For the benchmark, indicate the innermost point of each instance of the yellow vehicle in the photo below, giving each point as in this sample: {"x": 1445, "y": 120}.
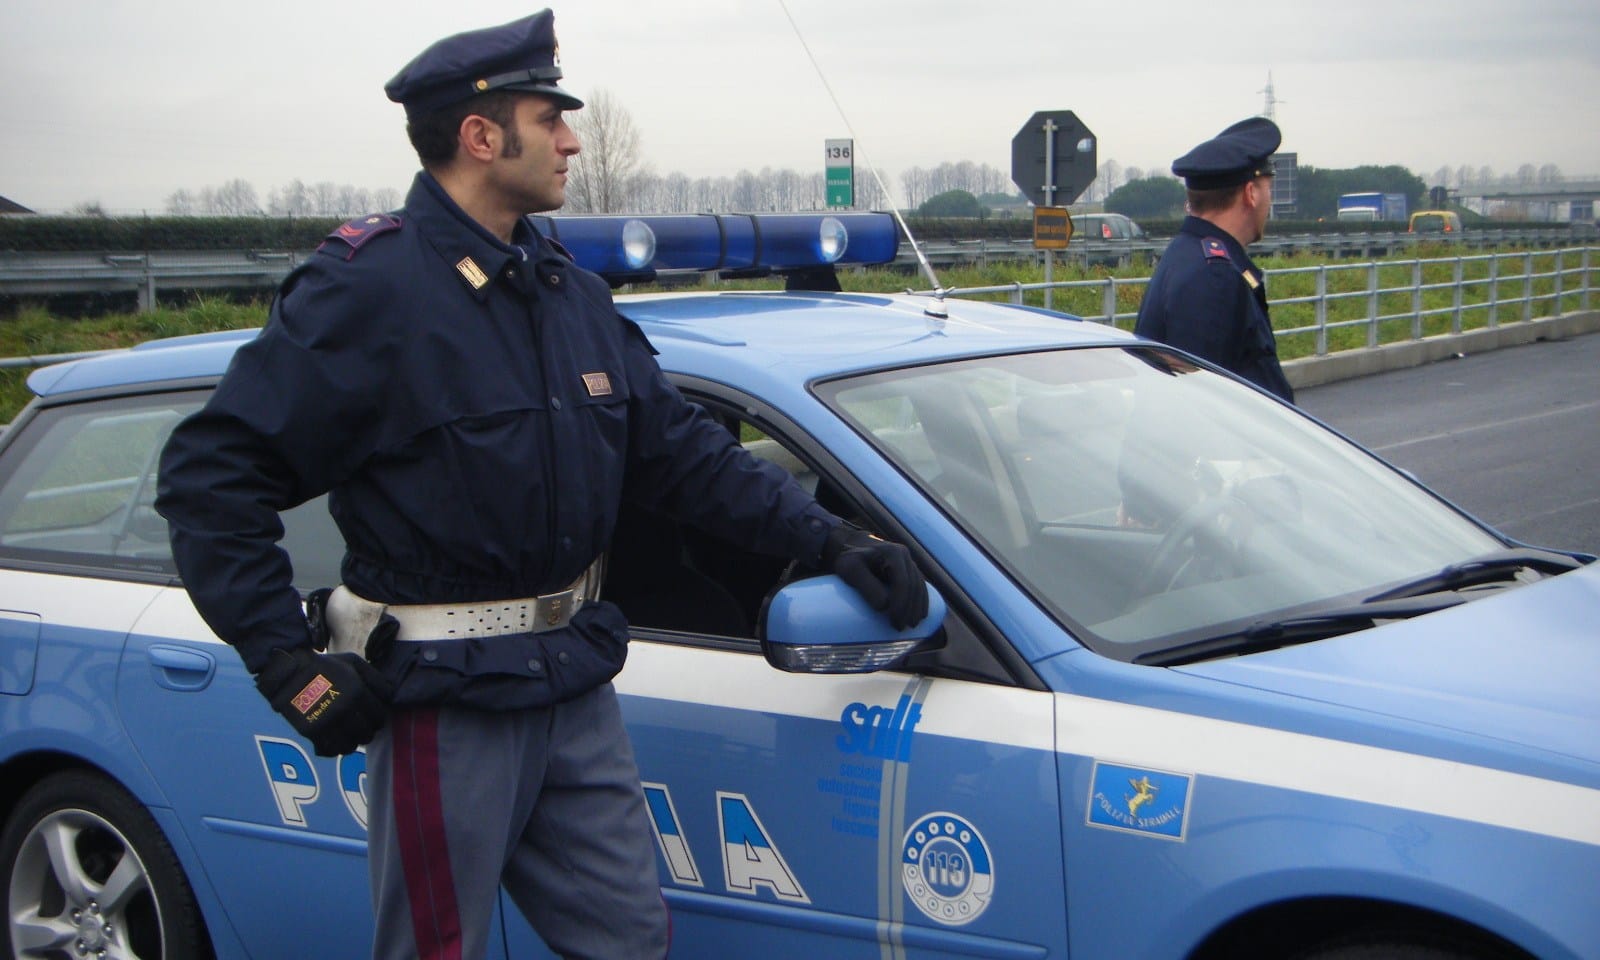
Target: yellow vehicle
{"x": 1435, "y": 221}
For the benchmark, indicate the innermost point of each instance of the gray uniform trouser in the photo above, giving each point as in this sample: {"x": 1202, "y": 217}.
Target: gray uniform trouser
{"x": 545, "y": 802}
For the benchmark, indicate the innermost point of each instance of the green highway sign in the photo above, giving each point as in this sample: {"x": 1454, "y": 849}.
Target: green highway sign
{"x": 839, "y": 169}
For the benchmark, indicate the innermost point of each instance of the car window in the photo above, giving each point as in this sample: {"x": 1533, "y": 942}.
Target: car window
{"x": 1141, "y": 498}
{"x": 668, "y": 576}
{"x": 81, "y": 483}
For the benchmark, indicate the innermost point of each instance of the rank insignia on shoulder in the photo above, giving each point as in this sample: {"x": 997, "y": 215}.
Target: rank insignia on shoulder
{"x": 472, "y": 273}
{"x": 353, "y": 234}
{"x": 1214, "y": 248}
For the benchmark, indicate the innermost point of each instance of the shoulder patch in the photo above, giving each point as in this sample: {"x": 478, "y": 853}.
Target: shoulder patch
{"x": 1214, "y": 249}
{"x": 357, "y": 232}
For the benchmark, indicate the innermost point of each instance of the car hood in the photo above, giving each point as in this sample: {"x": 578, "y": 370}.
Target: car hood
{"x": 1519, "y": 667}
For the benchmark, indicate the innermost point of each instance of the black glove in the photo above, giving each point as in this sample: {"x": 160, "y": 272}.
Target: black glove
{"x": 882, "y": 572}
{"x": 338, "y": 701}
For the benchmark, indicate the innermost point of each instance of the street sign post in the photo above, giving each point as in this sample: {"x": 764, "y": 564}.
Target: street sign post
{"x": 1053, "y": 162}
{"x": 839, "y": 172}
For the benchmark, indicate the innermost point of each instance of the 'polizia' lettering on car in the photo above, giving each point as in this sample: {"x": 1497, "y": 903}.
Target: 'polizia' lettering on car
{"x": 1207, "y": 679}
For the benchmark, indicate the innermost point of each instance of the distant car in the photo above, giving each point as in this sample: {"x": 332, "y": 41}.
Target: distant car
{"x": 1098, "y": 234}
{"x": 1435, "y": 221}
{"x": 1105, "y": 226}
{"x": 1207, "y": 679}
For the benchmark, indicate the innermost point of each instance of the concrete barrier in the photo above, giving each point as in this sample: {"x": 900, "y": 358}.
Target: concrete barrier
{"x": 1365, "y": 361}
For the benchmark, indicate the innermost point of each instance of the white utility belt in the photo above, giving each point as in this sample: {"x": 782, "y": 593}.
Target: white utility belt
{"x": 352, "y": 618}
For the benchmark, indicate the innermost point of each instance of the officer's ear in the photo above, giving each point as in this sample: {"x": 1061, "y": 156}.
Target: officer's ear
{"x": 479, "y": 137}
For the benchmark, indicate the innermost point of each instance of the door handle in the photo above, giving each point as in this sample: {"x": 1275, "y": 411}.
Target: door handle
{"x": 184, "y": 669}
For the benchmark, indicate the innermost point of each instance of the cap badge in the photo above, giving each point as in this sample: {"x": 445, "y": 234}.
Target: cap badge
{"x": 472, "y": 273}
{"x": 598, "y": 384}
{"x": 481, "y": 85}
{"x": 555, "y": 55}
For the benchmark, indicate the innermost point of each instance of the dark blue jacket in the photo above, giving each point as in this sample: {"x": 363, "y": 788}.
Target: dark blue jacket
{"x": 1207, "y": 297}
{"x": 478, "y": 411}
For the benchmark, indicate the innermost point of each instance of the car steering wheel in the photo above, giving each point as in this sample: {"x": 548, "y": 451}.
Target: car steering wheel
{"x": 1198, "y": 531}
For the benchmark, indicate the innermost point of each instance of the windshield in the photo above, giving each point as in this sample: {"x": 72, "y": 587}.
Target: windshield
{"x": 1144, "y": 501}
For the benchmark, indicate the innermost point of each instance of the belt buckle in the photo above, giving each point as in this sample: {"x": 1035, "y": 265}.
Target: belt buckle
{"x": 553, "y": 610}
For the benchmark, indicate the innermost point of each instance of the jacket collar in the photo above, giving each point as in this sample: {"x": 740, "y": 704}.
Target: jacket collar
{"x": 477, "y": 256}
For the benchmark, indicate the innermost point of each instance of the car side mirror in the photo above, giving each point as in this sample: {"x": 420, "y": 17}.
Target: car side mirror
{"x": 821, "y": 625}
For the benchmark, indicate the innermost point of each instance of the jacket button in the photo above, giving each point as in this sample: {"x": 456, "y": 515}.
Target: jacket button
{"x": 564, "y": 657}
{"x": 555, "y": 403}
{"x": 554, "y": 279}
{"x": 535, "y": 666}
{"x": 430, "y": 655}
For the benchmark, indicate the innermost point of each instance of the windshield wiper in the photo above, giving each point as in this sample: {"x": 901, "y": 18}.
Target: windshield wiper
{"x": 1499, "y": 565}
{"x": 1271, "y": 634}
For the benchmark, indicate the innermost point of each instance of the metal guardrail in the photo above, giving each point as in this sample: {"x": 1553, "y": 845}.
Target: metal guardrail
{"x": 35, "y": 274}
{"x": 1336, "y": 245}
{"x": 1510, "y": 282}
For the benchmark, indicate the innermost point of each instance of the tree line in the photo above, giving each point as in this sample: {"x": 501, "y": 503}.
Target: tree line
{"x": 612, "y": 175}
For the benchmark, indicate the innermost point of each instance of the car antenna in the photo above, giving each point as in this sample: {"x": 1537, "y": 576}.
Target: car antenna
{"x": 936, "y": 309}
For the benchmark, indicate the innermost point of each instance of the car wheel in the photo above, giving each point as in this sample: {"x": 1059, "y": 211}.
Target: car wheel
{"x": 86, "y": 872}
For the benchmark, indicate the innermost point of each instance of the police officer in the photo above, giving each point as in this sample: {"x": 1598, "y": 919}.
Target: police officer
{"x": 477, "y": 410}
{"x": 1207, "y": 296}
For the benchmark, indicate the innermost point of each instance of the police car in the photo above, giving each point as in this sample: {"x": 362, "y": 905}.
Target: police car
{"x": 1207, "y": 680}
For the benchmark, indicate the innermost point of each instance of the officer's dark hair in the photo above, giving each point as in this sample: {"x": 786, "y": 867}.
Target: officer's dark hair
{"x": 1211, "y": 201}
{"x": 434, "y": 134}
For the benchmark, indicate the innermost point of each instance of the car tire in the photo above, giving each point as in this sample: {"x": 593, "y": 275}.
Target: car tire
{"x": 69, "y": 835}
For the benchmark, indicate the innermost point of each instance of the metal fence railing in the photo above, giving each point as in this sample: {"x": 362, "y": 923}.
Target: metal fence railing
{"x": 1439, "y": 295}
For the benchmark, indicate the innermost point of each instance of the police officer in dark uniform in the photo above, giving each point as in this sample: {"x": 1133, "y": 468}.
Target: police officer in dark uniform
{"x": 477, "y": 410}
{"x": 1207, "y": 297}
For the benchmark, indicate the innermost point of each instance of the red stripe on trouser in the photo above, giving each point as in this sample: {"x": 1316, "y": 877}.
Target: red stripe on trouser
{"x": 419, "y": 828}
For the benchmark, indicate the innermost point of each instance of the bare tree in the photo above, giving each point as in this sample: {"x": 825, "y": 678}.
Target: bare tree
{"x": 1549, "y": 173}
{"x": 601, "y": 178}
{"x": 181, "y": 203}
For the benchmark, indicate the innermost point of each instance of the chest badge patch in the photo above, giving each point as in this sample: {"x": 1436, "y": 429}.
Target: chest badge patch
{"x": 472, "y": 273}
{"x": 598, "y": 384}
{"x": 1148, "y": 802}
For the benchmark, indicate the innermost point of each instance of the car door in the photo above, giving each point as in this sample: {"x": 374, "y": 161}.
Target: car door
{"x": 897, "y": 814}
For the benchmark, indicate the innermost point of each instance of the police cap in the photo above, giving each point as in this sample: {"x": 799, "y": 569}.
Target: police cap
{"x": 1237, "y": 155}
{"x": 521, "y": 55}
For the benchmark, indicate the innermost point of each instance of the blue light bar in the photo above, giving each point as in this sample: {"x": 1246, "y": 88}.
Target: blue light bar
{"x": 617, "y": 246}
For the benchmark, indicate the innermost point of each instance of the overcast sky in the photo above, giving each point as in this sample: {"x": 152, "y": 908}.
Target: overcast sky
{"x": 122, "y": 102}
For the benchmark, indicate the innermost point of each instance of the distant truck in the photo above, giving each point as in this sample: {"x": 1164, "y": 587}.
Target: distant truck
{"x": 1372, "y": 206}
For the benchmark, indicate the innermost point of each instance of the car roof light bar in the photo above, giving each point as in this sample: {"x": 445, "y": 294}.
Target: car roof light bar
{"x": 627, "y": 249}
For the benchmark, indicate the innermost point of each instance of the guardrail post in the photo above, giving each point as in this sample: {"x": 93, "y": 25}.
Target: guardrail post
{"x": 1110, "y": 301}
{"x": 1586, "y": 283}
{"x": 1016, "y": 292}
{"x": 1527, "y": 287}
{"x": 1372, "y": 304}
{"x": 1458, "y": 275}
{"x": 147, "y": 291}
{"x": 1494, "y": 290}
{"x": 1322, "y": 310}
{"x": 1416, "y": 299}
{"x": 1557, "y": 272}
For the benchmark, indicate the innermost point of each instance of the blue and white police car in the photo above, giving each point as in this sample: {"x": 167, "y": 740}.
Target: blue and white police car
{"x": 1209, "y": 680}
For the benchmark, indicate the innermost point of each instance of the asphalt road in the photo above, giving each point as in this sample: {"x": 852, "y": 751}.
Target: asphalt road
{"x": 1512, "y": 436}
